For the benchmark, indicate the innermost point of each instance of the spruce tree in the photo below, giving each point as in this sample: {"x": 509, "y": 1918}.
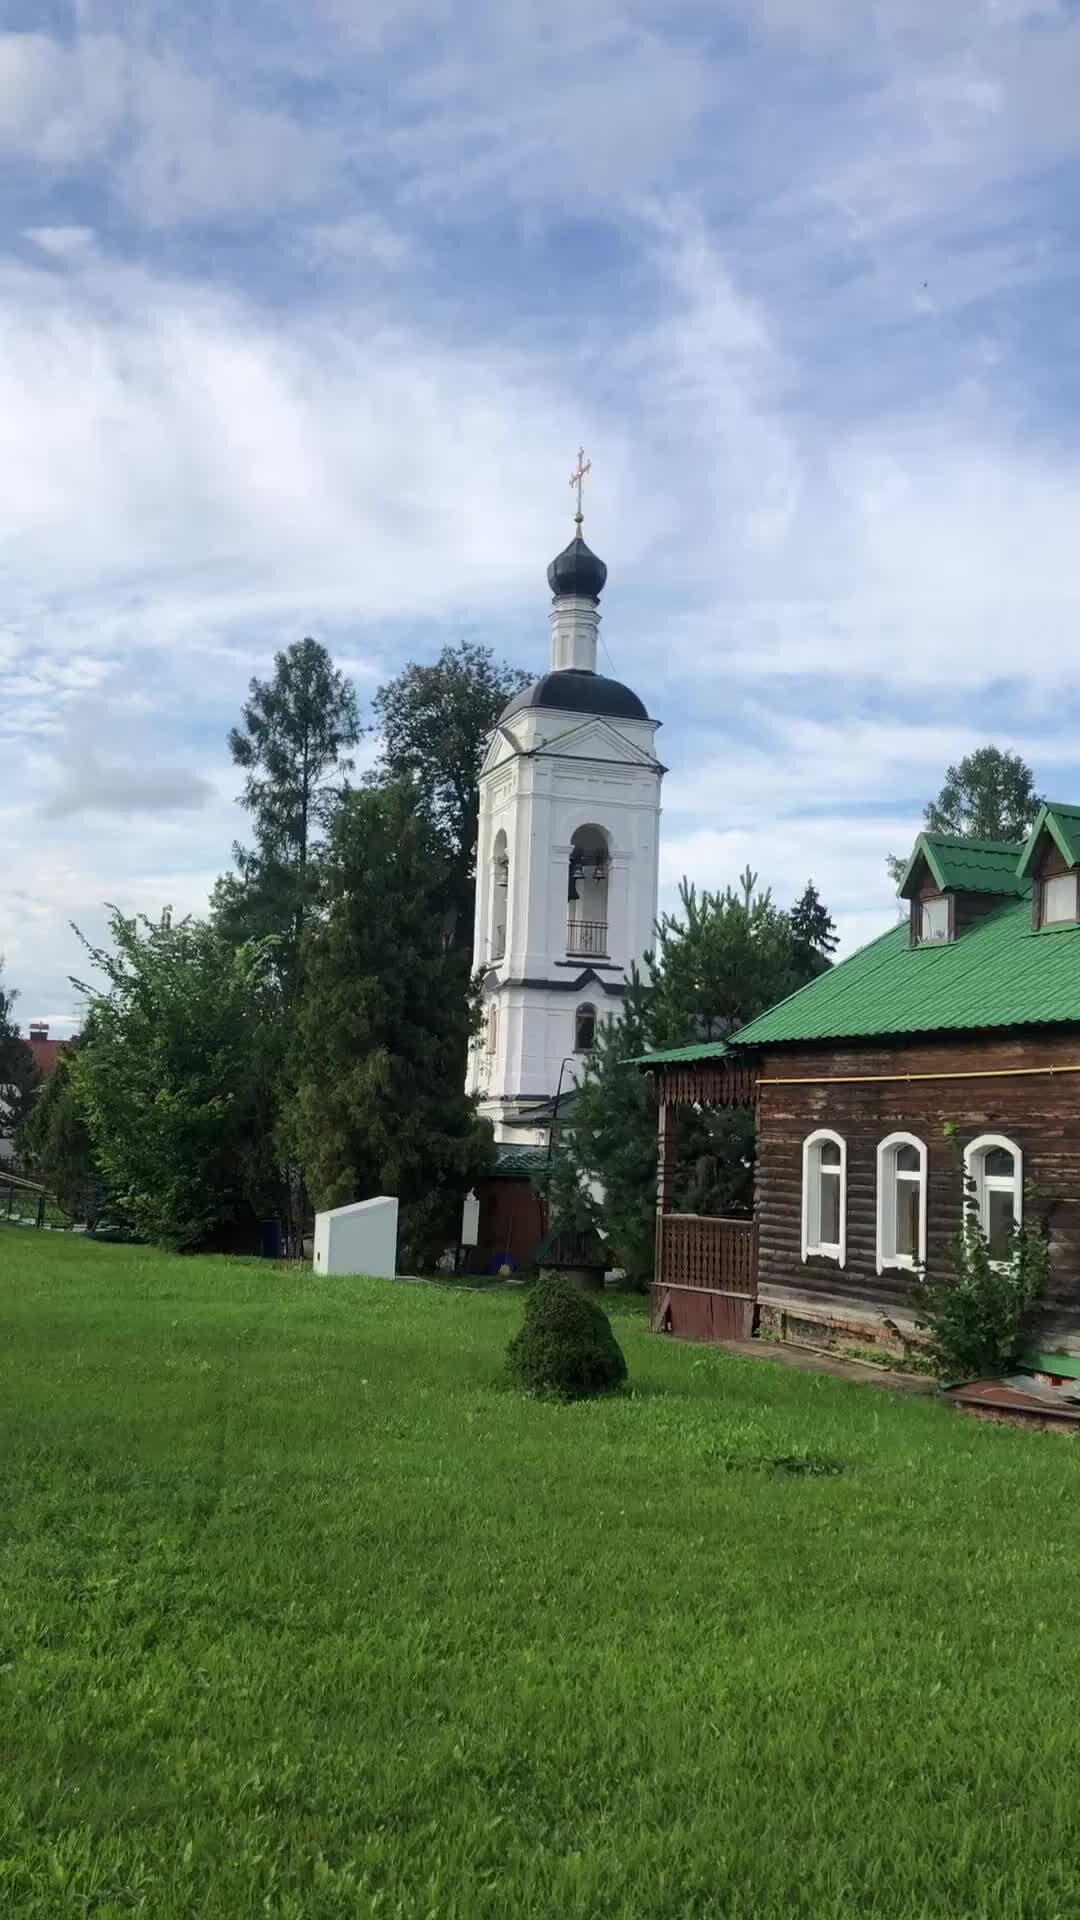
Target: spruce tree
{"x": 814, "y": 929}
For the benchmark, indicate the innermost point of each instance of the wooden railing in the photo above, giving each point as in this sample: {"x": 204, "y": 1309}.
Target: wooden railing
{"x": 695, "y": 1250}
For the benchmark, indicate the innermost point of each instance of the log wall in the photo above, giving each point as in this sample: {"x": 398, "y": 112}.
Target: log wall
{"x": 846, "y": 1090}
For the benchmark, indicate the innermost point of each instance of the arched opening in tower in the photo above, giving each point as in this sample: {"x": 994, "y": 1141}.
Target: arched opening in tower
{"x": 587, "y": 893}
{"x": 499, "y": 895}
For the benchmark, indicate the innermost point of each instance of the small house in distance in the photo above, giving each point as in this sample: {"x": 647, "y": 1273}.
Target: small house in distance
{"x": 967, "y": 1016}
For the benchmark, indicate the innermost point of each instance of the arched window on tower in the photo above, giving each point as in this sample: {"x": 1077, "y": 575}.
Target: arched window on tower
{"x": 587, "y": 893}
{"x": 500, "y": 895}
{"x": 585, "y": 1029}
{"x": 493, "y": 1030}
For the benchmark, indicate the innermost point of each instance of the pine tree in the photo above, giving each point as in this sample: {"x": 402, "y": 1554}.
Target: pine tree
{"x": 293, "y": 744}
{"x": 387, "y": 1011}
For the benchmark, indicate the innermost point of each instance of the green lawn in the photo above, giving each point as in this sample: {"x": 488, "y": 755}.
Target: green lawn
{"x": 304, "y": 1615}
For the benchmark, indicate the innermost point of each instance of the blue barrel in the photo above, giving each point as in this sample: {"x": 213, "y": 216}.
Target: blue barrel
{"x": 271, "y": 1239}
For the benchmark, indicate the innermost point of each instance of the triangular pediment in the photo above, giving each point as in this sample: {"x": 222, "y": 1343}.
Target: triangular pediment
{"x": 502, "y": 746}
{"x": 594, "y": 739}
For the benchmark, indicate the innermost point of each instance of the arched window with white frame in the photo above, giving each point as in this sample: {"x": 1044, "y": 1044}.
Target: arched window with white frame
{"x": 493, "y": 1030}
{"x": 901, "y": 1202}
{"x": 996, "y": 1167}
{"x": 824, "y": 1196}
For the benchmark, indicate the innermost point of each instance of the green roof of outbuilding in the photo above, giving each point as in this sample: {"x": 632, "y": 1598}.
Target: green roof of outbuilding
{"x": 518, "y": 1163}
{"x": 670, "y": 1056}
{"x": 971, "y": 866}
{"x": 999, "y": 973}
{"x": 1062, "y": 823}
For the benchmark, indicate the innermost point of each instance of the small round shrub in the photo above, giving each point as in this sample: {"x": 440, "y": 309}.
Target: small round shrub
{"x": 564, "y": 1348}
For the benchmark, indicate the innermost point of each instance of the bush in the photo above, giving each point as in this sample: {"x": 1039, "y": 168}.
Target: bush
{"x": 565, "y": 1349}
{"x": 975, "y": 1321}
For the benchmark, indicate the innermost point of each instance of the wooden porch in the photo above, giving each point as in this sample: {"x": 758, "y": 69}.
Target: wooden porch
{"x": 705, "y": 1276}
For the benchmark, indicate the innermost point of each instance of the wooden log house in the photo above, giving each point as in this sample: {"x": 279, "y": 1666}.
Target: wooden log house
{"x": 951, "y": 1042}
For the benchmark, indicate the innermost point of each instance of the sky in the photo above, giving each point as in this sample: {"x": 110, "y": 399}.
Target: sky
{"x": 304, "y": 312}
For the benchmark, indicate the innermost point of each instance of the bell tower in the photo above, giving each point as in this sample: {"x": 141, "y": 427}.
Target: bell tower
{"x": 567, "y": 860}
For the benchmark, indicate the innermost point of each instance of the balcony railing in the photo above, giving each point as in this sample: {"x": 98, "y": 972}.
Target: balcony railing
{"x": 586, "y": 937}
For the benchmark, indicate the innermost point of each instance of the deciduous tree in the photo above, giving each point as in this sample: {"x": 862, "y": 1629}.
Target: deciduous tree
{"x": 172, "y": 1079}
{"x": 19, "y": 1078}
{"x": 435, "y": 721}
{"x": 988, "y": 795}
{"x": 55, "y": 1141}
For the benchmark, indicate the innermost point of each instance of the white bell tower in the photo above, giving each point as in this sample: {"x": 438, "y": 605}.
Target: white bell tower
{"x": 567, "y": 861}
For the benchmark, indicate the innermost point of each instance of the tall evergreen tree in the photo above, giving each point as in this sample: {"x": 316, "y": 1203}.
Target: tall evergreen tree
{"x": 19, "y": 1078}
{"x": 387, "y": 1011}
{"x": 293, "y": 743}
{"x": 435, "y": 721}
{"x": 814, "y": 929}
{"x": 612, "y": 1142}
{"x": 721, "y": 959}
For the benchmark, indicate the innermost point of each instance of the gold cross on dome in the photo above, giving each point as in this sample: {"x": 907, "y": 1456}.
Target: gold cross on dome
{"x": 577, "y": 479}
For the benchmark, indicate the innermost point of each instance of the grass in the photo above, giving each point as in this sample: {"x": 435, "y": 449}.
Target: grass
{"x": 304, "y": 1615}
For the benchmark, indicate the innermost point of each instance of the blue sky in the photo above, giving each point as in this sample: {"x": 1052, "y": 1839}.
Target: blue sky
{"x": 305, "y": 310}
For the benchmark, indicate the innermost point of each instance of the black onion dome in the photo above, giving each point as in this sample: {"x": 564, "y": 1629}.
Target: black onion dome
{"x": 577, "y": 570}
{"x": 575, "y": 690}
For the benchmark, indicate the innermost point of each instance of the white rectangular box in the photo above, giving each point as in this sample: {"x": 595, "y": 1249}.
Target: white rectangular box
{"x": 358, "y": 1239}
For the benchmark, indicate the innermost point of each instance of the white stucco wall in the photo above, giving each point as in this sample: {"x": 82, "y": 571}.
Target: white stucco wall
{"x": 547, "y": 775}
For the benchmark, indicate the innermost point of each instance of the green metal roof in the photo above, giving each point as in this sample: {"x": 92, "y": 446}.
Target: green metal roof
{"x": 670, "y": 1056}
{"x": 1062, "y": 823}
{"x": 999, "y": 973}
{"x": 972, "y": 866}
{"x": 518, "y": 1163}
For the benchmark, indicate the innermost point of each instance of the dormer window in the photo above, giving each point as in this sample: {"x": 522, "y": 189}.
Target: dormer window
{"x": 1058, "y": 902}
{"x": 935, "y": 920}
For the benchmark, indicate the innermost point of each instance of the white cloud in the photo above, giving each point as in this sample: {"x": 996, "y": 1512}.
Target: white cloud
{"x": 180, "y": 145}
{"x": 394, "y": 264}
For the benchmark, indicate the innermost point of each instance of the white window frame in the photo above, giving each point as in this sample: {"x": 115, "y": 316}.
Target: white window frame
{"x": 1052, "y": 880}
{"x": 812, "y": 1246}
{"x": 974, "y": 1169}
{"x": 887, "y": 1177}
{"x": 926, "y": 903}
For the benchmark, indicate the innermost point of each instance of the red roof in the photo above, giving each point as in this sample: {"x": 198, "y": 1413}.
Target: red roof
{"x": 46, "y": 1052}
